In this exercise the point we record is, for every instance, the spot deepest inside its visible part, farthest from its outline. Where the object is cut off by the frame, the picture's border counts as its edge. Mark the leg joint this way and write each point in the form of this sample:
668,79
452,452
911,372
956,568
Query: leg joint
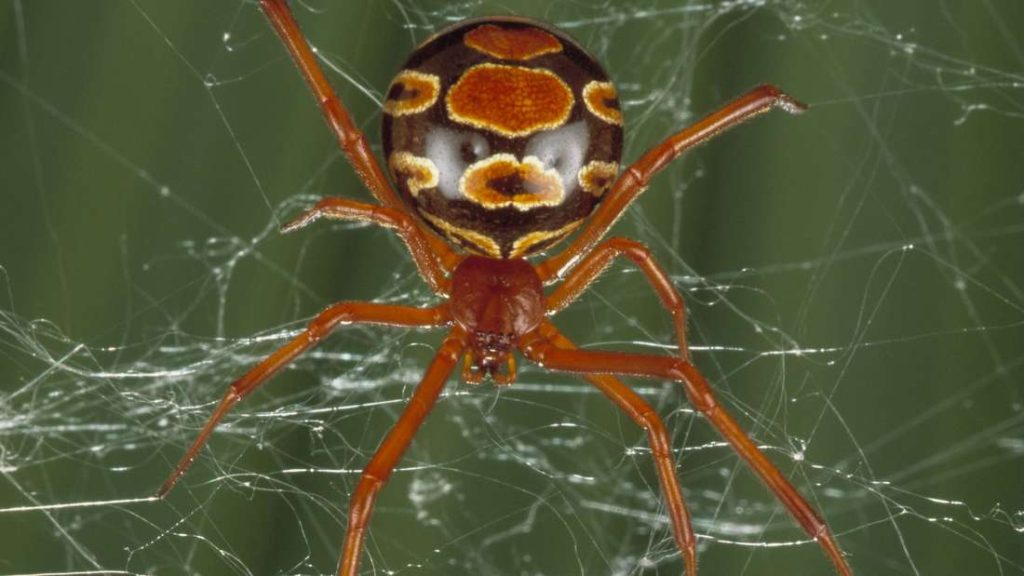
697,390
535,346
353,141
362,500
328,319
639,180
630,248
657,434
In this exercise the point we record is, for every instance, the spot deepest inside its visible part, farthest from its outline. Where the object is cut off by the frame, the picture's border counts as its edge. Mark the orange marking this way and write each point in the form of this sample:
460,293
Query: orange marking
420,173
526,243
412,92
510,100
602,101
597,176
511,43
469,239
502,181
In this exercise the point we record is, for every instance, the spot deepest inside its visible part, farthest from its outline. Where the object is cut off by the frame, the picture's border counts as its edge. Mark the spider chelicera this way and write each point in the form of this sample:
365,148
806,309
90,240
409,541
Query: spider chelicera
503,136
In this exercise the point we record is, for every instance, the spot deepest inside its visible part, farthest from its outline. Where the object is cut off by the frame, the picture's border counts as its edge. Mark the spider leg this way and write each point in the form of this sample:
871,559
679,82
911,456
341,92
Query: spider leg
391,449
539,346
352,141
321,326
661,450
586,271
635,178
433,258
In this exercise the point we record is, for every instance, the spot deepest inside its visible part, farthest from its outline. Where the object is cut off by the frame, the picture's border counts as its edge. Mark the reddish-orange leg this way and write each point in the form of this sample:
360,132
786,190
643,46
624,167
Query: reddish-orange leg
420,243
590,266
661,450
635,178
541,345
352,141
391,449
323,324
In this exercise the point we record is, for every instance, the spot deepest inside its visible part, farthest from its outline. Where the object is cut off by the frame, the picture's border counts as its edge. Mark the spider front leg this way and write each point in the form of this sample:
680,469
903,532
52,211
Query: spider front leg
321,326
635,178
594,263
433,258
540,345
391,449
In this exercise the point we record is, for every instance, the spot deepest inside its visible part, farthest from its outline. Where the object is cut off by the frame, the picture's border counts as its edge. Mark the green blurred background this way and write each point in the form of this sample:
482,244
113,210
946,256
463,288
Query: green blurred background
855,280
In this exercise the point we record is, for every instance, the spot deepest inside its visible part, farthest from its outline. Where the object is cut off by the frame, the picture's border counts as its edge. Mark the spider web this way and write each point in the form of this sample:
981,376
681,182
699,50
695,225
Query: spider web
854,279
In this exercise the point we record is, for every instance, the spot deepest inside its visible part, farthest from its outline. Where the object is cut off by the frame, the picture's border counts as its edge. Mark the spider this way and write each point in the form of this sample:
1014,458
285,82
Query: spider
503,136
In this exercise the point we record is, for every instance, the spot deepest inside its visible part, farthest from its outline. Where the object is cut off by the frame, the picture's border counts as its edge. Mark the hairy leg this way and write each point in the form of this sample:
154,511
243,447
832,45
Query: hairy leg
586,271
394,445
539,346
322,325
352,141
661,450
635,178
433,258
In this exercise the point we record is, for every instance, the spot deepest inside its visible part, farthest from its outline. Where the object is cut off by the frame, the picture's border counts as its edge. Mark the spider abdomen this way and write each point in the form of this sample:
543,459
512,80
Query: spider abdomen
503,134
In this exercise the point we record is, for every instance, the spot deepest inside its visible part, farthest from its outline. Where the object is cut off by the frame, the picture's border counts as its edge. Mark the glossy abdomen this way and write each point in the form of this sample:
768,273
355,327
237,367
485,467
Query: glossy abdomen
503,135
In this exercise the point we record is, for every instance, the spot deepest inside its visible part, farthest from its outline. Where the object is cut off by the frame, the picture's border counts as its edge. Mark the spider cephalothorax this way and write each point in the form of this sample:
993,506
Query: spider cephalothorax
497,302
503,135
